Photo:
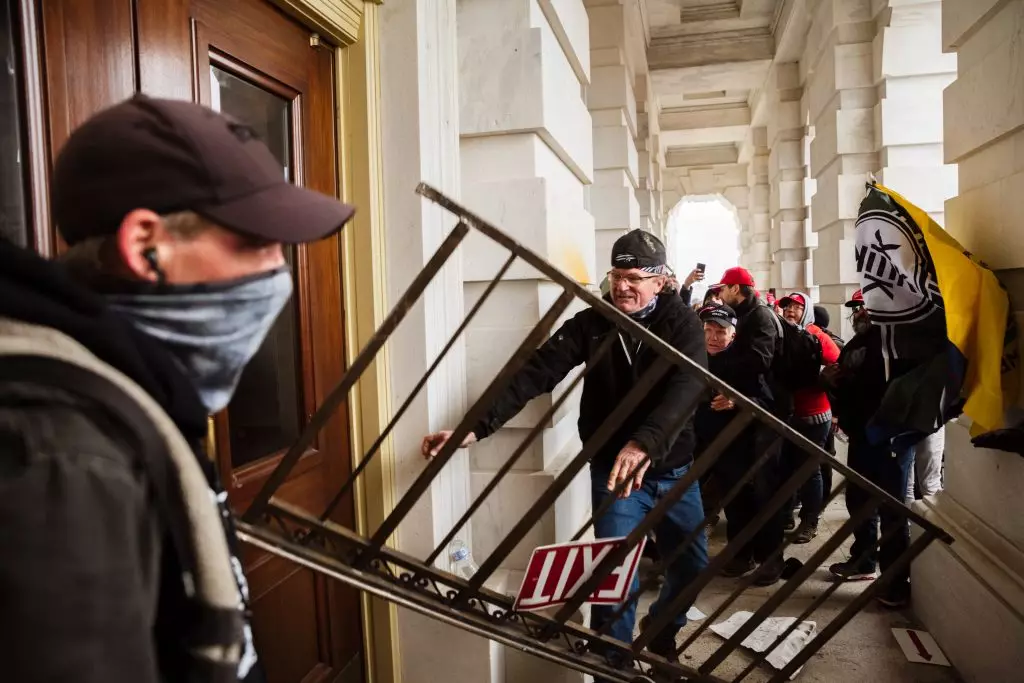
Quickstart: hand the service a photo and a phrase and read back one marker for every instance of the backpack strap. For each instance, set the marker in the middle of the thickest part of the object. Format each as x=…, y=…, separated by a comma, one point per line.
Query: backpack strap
x=210, y=626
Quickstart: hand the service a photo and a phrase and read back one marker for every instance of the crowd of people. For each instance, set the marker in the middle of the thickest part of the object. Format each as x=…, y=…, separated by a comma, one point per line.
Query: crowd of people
x=781, y=355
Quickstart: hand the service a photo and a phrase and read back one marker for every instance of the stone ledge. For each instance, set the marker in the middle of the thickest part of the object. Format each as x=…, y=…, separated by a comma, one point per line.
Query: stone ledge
x=977, y=580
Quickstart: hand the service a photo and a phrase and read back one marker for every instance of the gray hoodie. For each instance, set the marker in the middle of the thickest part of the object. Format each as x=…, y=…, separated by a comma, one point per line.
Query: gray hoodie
x=808, y=316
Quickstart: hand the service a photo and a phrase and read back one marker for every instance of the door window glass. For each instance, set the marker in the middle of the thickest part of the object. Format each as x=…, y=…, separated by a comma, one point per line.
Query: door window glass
x=264, y=415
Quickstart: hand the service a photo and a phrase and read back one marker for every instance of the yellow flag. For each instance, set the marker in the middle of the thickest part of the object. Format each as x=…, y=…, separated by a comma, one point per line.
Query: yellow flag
x=978, y=322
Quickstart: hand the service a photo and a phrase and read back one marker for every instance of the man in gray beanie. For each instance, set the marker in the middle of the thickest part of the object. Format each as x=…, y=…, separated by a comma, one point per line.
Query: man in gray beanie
x=637, y=288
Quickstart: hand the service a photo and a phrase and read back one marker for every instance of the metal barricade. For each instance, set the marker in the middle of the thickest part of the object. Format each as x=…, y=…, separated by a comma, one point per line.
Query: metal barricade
x=367, y=563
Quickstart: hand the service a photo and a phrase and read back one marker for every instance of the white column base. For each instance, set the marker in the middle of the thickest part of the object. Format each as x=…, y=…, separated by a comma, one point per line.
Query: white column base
x=970, y=595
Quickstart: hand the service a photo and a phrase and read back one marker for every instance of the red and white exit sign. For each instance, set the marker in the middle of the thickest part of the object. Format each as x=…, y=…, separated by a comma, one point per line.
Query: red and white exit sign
x=555, y=572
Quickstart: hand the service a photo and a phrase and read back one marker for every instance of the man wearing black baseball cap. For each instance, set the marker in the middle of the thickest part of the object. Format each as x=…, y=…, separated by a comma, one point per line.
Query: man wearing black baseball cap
x=120, y=549
x=637, y=281
x=761, y=553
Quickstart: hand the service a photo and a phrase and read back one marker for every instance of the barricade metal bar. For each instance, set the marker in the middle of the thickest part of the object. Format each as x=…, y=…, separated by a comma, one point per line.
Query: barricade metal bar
x=476, y=412
x=759, y=657
x=430, y=581
x=338, y=395
x=649, y=582
x=414, y=394
x=743, y=584
x=617, y=555
x=788, y=588
x=663, y=349
x=715, y=566
x=602, y=349
x=855, y=606
x=607, y=429
x=508, y=632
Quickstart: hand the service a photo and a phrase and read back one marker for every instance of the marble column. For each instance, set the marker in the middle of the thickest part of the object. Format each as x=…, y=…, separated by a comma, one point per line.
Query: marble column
x=912, y=73
x=758, y=226
x=970, y=594
x=791, y=242
x=841, y=97
x=526, y=163
x=420, y=138
x=650, y=158
x=612, y=101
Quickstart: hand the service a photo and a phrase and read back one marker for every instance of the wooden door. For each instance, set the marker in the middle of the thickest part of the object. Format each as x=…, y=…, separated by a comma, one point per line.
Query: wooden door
x=256, y=64
x=247, y=59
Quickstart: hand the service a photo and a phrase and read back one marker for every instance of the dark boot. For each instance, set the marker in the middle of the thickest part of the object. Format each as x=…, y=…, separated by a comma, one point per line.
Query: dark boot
x=737, y=567
x=770, y=571
x=852, y=571
x=663, y=644
x=896, y=596
x=806, y=532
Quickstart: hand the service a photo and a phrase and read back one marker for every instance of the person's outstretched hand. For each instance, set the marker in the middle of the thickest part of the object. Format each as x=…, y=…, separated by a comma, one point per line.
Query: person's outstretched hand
x=626, y=462
x=433, y=443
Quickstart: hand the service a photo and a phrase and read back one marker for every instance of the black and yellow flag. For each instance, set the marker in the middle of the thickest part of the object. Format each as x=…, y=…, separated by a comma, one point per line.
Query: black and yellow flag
x=948, y=335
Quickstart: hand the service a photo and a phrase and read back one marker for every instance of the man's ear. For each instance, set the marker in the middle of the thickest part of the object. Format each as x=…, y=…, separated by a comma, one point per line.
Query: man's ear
x=140, y=230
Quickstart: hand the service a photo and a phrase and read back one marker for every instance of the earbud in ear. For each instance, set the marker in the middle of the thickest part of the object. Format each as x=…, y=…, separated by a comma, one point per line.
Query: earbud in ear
x=154, y=263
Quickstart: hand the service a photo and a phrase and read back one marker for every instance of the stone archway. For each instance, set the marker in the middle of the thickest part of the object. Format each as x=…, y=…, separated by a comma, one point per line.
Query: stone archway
x=703, y=229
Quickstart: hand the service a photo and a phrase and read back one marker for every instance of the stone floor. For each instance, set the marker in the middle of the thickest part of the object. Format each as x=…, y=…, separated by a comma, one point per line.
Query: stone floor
x=864, y=650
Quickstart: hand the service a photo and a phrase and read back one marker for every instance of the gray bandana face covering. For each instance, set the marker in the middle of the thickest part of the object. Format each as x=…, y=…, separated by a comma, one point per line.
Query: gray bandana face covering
x=212, y=330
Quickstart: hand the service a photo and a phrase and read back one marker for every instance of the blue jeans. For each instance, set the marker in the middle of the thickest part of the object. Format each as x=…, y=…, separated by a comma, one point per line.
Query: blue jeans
x=889, y=471
x=624, y=515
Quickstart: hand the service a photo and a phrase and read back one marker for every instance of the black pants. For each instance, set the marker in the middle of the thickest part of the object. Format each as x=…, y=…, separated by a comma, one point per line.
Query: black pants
x=753, y=498
x=890, y=472
x=826, y=468
x=810, y=494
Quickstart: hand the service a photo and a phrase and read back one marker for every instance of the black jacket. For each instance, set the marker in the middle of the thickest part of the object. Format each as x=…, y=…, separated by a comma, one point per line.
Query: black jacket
x=723, y=366
x=756, y=340
x=88, y=589
x=860, y=384
x=709, y=423
x=650, y=425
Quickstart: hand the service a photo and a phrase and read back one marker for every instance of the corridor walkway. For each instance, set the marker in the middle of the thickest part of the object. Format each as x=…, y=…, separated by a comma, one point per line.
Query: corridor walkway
x=863, y=651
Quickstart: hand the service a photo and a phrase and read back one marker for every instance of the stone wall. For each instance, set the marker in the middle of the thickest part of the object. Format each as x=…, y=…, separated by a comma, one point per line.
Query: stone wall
x=979, y=579
x=527, y=162
x=420, y=134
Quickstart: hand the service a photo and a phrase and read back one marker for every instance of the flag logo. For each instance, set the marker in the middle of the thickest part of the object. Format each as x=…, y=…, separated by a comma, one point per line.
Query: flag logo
x=895, y=272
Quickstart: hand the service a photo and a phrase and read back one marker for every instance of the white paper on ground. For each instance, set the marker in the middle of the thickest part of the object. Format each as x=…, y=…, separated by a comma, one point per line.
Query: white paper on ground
x=766, y=633
x=694, y=614
x=919, y=646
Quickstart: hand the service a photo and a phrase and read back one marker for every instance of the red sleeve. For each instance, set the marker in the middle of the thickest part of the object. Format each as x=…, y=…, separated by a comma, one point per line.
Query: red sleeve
x=829, y=349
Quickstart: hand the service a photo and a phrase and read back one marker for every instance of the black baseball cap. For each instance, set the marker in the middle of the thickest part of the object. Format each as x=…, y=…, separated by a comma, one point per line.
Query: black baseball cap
x=639, y=249
x=720, y=315
x=174, y=155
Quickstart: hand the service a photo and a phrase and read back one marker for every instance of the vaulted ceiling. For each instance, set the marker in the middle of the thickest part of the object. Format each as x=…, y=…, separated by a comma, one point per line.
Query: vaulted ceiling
x=706, y=58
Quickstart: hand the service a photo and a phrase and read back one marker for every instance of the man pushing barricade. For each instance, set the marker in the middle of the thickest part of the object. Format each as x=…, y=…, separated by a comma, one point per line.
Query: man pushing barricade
x=653, y=448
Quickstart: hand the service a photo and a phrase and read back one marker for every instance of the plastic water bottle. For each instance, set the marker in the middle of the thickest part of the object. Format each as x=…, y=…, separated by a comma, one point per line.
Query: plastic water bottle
x=460, y=560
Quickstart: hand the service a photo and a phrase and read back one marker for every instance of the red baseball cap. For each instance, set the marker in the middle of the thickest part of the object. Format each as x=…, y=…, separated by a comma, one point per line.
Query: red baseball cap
x=795, y=297
x=736, y=276
x=856, y=300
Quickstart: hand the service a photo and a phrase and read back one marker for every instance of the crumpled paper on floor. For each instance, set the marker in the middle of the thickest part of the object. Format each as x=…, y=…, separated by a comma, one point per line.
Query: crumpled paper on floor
x=765, y=634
